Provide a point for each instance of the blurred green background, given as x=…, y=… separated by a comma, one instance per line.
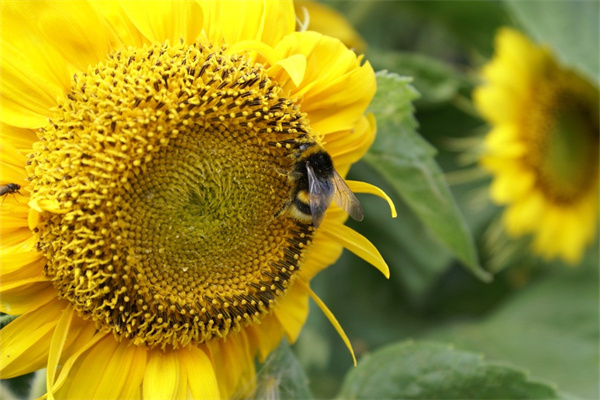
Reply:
x=536, y=322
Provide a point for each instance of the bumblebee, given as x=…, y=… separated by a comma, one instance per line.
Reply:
x=315, y=184
x=9, y=188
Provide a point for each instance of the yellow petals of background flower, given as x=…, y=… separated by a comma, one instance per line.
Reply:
x=318, y=17
x=543, y=147
x=152, y=143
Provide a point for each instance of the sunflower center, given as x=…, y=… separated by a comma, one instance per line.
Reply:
x=563, y=127
x=162, y=174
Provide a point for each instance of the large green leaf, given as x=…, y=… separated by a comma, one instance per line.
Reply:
x=429, y=370
x=570, y=28
x=281, y=376
x=550, y=327
x=407, y=162
x=415, y=257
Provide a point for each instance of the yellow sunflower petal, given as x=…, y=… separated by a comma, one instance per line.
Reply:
x=496, y=103
x=232, y=21
x=358, y=245
x=518, y=63
x=363, y=187
x=135, y=377
x=504, y=141
x=234, y=365
x=35, y=269
x=200, y=373
x=115, y=374
x=294, y=66
x=332, y=320
x=51, y=205
x=14, y=257
x=11, y=237
x=550, y=230
x=12, y=168
x=11, y=155
x=510, y=77
x=90, y=370
x=573, y=238
x=14, y=217
x=255, y=51
x=26, y=96
x=336, y=89
x=34, y=74
x=164, y=378
x=292, y=311
x=511, y=184
x=26, y=340
x=166, y=20
x=13, y=174
x=24, y=288
x=66, y=381
x=21, y=29
x=116, y=19
x=33, y=218
x=23, y=297
x=523, y=216
x=587, y=212
x=224, y=355
x=323, y=252
x=347, y=147
x=560, y=234
x=57, y=344
x=76, y=30
x=267, y=335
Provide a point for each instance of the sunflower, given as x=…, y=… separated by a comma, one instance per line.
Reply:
x=543, y=147
x=146, y=253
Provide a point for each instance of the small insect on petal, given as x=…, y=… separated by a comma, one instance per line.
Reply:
x=10, y=188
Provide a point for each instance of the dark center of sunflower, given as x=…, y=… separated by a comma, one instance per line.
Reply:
x=563, y=129
x=163, y=169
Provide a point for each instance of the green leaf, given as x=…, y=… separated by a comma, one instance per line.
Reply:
x=19, y=387
x=570, y=28
x=6, y=319
x=436, y=81
x=472, y=23
x=423, y=258
x=429, y=370
x=444, y=29
x=551, y=327
x=407, y=162
x=281, y=376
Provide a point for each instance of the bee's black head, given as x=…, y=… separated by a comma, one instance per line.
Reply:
x=321, y=163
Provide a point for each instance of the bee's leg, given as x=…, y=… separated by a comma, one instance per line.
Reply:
x=283, y=208
x=13, y=195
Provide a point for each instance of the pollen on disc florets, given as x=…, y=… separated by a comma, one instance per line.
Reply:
x=160, y=180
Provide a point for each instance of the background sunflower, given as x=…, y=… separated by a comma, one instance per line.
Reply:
x=471, y=310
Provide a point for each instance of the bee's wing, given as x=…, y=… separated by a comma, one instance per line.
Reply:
x=320, y=194
x=345, y=199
